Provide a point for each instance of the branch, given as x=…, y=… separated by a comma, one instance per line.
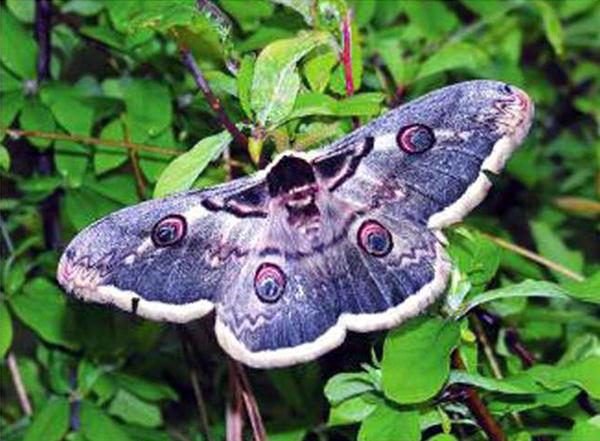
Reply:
x=49, y=207
x=250, y=403
x=535, y=257
x=90, y=140
x=347, y=52
x=186, y=348
x=478, y=408
x=234, y=419
x=18, y=383
x=213, y=101
x=13, y=368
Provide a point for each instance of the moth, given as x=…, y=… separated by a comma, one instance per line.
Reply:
x=342, y=238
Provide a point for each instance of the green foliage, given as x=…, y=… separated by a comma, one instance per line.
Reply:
x=94, y=374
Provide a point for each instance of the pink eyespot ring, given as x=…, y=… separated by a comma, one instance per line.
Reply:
x=374, y=238
x=269, y=282
x=415, y=138
x=169, y=230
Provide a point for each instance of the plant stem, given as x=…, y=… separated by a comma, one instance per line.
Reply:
x=90, y=140
x=347, y=52
x=135, y=164
x=17, y=380
x=535, y=257
x=478, y=408
x=50, y=206
x=187, y=350
x=250, y=403
x=213, y=101
x=491, y=357
x=234, y=419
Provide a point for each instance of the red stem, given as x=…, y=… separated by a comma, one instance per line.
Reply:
x=347, y=52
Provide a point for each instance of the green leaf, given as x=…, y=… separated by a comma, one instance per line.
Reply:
x=434, y=21
x=552, y=26
x=443, y=437
x=353, y=410
x=303, y=7
x=317, y=70
x=248, y=13
x=386, y=423
x=51, y=423
x=6, y=329
x=518, y=385
x=36, y=116
x=586, y=291
x=181, y=173
x=133, y=410
x=19, y=57
x=97, y=426
x=321, y=104
x=244, y=84
x=69, y=110
x=584, y=430
x=551, y=246
x=71, y=161
x=153, y=164
x=344, y=386
x=145, y=389
x=454, y=56
x=475, y=256
x=582, y=373
x=403, y=355
x=24, y=10
x=109, y=158
x=4, y=158
x=11, y=104
x=43, y=307
x=276, y=81
x=528, y=288
x=149, y=109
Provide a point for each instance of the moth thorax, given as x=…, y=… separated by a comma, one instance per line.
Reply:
x=288, y=174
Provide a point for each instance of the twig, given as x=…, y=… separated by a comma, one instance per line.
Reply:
x=234, y=419
x=200, y=402
x=250, y=403
x=133, y=156
x=535, y=257
x=491, y=357
x=213, y=101
x=90, y=140
x=18, y=383
x=49, y=207
x=347, y=52
x=478, y=408
x=347, y=59
x=10, y=358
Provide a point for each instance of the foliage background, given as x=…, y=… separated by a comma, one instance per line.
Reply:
x=116, y=74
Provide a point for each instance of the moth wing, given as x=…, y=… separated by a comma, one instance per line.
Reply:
x=328, y=292
x=428, y=159
x=118, y=261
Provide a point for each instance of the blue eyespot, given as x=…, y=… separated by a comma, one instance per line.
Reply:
x=169, y=230
x=374, y=238
x=269, y=282
x=415, y=138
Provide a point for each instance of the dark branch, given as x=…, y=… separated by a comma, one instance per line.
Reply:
x=213, y=101
x=478, y=408
x=50, y=206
